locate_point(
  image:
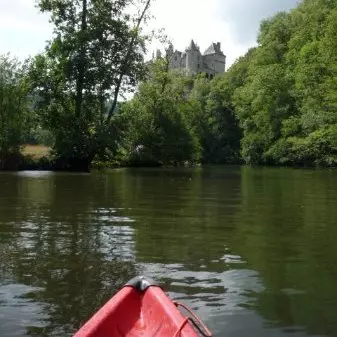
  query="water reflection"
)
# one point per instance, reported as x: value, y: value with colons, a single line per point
x: 288, y: 229
x: 18, y: 313
x: 251, y: 250
x: 57, y: 242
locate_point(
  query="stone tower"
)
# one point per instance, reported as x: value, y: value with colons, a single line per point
x: 214, y: 59
x: 193, y: 58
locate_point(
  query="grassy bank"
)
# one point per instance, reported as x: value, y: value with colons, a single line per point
x: 35, y: 157
x: 35, y: 152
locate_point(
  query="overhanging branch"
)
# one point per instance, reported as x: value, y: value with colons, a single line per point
x: 125, y: 64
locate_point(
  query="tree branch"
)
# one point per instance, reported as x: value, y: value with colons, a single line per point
x: 125, y: 63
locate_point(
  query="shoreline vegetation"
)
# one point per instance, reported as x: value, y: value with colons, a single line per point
x: 276, y: 105
x: 39, y: 158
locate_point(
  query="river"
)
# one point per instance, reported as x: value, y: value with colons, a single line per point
x: 252, y: 250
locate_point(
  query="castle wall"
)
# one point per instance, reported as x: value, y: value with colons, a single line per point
x: 175, y: 61
x: 183, y: 61
x: 193, y: 61
x: 212, y: 62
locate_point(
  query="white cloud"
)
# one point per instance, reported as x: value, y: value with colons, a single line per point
x: 187, y: 19
x: 244, y: 16
x: 23, y: 30
x: 234, y: 23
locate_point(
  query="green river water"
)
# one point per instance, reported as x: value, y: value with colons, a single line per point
x: 252, y: 250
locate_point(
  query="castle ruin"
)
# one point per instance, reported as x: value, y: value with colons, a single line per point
x: 211, y: 62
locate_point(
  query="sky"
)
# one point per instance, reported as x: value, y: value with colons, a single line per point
x: 234, y: 23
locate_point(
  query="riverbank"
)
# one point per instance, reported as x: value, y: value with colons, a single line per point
x: 40, y: 158
x: 36, y: 157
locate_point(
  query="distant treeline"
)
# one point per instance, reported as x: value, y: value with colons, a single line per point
x: 277, y: 105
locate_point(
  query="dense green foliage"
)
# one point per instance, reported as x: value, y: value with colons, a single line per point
x: 14, y: 112
x: 175, y: 119
x: 278, y: 102
x: 276, y: 105
x: 96, y: 55
x: 287, y: 100
x: 156, y: 129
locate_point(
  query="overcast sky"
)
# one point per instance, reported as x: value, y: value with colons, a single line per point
x: 234, y: 23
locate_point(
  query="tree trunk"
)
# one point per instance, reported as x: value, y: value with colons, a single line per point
x: 81, y: 61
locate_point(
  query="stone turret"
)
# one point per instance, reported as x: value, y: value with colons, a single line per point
x: 214, y: 59
x: 192, y: 46
x: 170, y: 50
x: 193, y: 58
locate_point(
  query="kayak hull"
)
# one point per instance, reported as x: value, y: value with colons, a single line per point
x: 134, y: 311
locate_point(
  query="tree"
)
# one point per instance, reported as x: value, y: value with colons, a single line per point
x: 14, y: 112
x: 265, y: 100
x: 309, y: 137
x: 214, y: 118
x: 96, y: 55
x: 157, y: 122
x: 287, y: 102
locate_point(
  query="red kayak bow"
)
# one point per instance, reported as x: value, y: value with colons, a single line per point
x: 142, y: 309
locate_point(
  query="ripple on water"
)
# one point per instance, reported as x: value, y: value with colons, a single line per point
x: 225, y: 300
x: 229, y: 289
x: 103, y: 211
x: 117, y: 242
x: 116, y: 237
x: 103, y: 215
x: 109, y: 218
x: 232, y: 259
x: 14, y: 304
